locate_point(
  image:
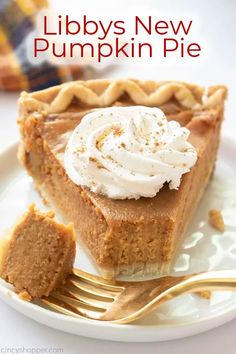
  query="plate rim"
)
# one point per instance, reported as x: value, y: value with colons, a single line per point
x: 128, y: 332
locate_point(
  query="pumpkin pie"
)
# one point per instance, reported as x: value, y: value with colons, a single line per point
x: 129, y: 236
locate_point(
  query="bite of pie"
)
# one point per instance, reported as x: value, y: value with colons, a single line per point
x: 38, y: 254
x: 123, y: 236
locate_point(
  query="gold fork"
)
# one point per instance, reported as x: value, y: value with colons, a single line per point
x: 88, y: 296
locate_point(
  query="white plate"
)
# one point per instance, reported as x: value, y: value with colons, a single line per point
x: 203, y: 249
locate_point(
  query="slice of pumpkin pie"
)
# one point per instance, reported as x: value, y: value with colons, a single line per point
x: 126, y: 161
x: 38, y: 254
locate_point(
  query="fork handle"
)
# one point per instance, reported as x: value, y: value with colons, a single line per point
x: 214, y: 280
x: 138, y: 299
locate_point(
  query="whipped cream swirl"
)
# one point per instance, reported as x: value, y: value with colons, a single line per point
x: 128, y: 152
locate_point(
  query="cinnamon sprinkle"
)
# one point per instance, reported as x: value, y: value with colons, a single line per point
x: 94, y: 160
x: 117, y: 131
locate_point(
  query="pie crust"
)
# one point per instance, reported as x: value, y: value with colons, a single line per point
x: 122, y: 236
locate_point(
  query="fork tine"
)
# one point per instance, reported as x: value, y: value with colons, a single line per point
x: 67, y: 306
x: 62, y: 307
x: 82, y: 299
x: 78, y: 304
x: 96, y: 280
x: 91, y: 289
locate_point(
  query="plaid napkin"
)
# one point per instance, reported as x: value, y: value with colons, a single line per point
x: 17, y: 20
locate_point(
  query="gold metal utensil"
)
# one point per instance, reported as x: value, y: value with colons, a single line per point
x: 88, y: 296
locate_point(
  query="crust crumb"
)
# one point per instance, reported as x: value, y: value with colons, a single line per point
x: 204, y: 294
x: 24, y: 295
x: 51, y: 214
x: 216, y: 219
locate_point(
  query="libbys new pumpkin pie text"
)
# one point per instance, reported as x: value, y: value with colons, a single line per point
x: 142, y: 37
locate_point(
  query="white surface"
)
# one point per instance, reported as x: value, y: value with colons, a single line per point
x: 218, y: 27
x: 203, y: 249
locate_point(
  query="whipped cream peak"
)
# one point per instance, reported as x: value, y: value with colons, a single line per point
x: 128, y: 152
